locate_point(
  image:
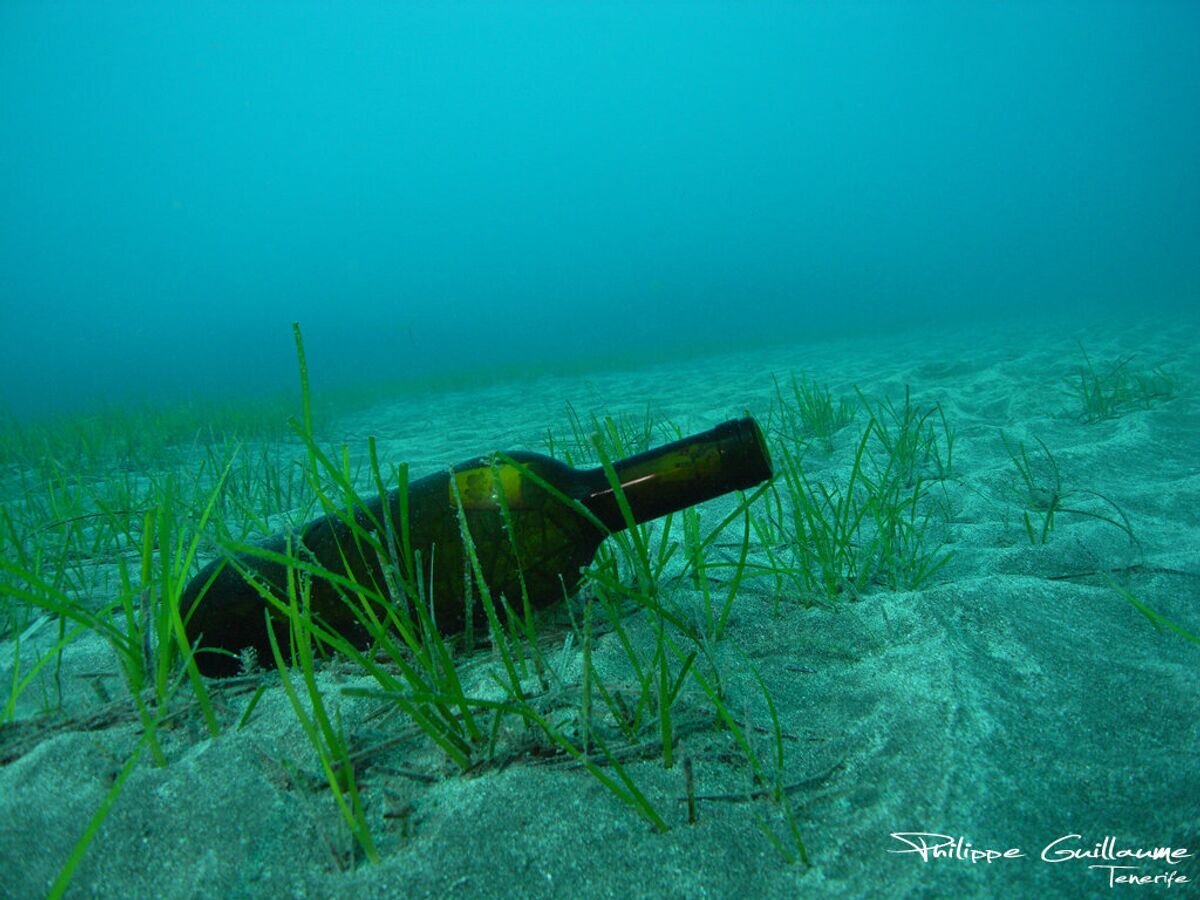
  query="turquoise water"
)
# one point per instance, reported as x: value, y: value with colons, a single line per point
x: 433, y: 186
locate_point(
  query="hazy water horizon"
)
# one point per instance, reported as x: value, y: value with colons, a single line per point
x: 436, y: 188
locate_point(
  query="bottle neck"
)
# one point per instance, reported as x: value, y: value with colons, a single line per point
x: 733, y: 456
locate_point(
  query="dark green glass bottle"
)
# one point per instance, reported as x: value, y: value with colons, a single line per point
x: 554, y: 539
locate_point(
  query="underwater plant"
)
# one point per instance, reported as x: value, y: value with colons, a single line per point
x: 810, y: 411
x: 1115, y: 389
x: 877, y: 525
x: 1044, y: 497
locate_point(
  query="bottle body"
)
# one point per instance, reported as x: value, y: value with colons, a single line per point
x: 558, y: 515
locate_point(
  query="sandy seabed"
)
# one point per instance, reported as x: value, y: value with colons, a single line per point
x: 1017, y: 703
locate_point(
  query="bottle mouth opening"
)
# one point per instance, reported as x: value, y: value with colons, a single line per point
x: 768, y: 470
x: 748, y: 446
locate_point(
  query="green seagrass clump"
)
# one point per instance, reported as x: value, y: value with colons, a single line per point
x: 1110, y: 391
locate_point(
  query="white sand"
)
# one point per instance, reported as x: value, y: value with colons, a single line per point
x: 1006, y: 704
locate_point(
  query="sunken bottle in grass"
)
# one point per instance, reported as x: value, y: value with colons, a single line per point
x: 535, y: 523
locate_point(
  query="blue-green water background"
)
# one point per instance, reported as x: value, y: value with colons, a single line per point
x: 435, y: 186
